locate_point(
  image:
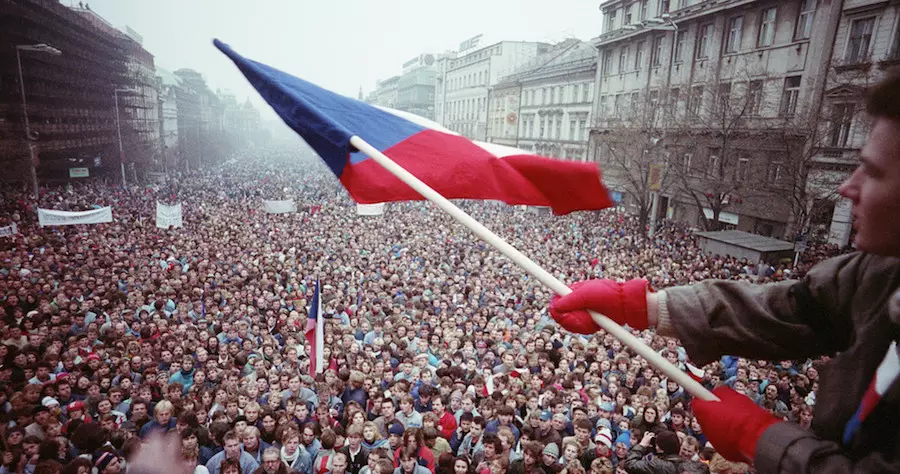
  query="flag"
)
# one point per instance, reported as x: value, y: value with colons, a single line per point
x: 888, y: 372
x: 315, y: 333
x: 451, y: 164
x: 695, y: 372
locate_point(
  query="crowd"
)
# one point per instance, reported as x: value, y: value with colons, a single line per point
x: 440, y: 354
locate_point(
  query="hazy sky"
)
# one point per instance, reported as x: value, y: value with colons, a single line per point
x: 338, y: 44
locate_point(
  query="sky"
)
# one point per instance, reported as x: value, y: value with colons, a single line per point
x: 341, y: 45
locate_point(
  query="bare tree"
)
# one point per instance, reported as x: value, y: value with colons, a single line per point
x: 632, y: 145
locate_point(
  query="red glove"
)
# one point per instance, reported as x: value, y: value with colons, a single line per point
x: 624, y: 303
x: 734, y: 424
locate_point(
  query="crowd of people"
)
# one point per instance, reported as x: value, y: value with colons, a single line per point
x: 440, y: 355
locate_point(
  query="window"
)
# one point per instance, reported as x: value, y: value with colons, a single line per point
x: 644, y: 9
x: 543, y: 126
x: 675, y: 97
x: 611, y: 20
x: 623, y: 59
x: 617, y: 105
x: 679, y: 45
x: 860, y: 40
x: 558, y: 128
x: 586, y: 92
x: 714, y: 163
x: 607, y: 63
x: 803, y: 29
x: 686, y: 163
x: 582, y: 128
x: 774, y: 172
x: 543, y: 96
x: 743, y: 169
x: 602, y: 106
x: 575, y: 95
x: 724, y: 95
x: 627, y: 19
x: 634, y: 101
x: 790, y: 96
x: 656, y: 51
x: 703, y: 40
x: 733, y: 34
x: 638, y: 55
x: 696, y: 99
x: 840, y: 124
x: 572, y: 125
x: 662, y: 7
x: 767, y: 27
x: 754, y: 97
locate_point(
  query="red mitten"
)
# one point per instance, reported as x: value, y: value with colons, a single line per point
x: 624, y: 303
x: 734, y: 424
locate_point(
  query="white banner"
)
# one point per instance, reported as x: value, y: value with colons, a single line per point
x: 9, y: 231
x: 168, y: 216
x: 280, y: 207
x: 96, y: 216
x: 79, y: 172
x: 370, y: 209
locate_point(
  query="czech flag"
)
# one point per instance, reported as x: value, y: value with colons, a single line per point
x: 695, y: 372
x: 315, y: 333
x: 449, y: 163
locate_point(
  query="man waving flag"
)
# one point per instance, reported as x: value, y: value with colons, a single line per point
x: 451, y: 164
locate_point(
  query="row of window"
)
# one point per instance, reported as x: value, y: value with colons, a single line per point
x: 733, y: 40
x: 473, y: 79
x: 551, y: 128
x: 567, y: 94
x: 722, y: 95
x: 468, y: 109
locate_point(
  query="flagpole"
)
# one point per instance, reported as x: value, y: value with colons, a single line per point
x: 659, y: 362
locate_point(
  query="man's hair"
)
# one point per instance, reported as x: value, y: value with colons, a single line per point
x: 883, y: 99
x: 231, y: 435
x: 694, y: 467
x: 230, y: 463
x: 478, y: 420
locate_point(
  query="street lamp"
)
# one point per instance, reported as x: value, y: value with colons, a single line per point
x: 35, y: 48
x: 119, y: 131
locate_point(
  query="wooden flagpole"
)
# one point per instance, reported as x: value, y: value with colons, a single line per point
x: 659, y: 362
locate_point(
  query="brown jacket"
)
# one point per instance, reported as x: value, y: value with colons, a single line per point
x: 846, y: 307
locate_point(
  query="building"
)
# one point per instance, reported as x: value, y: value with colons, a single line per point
x: 415, y: 87
x: 137, y: 97
x: 169, y: 89
x: 69, y: 96
x: 718, y: 98
x: 545, y: 106
x: 241, y: 122
x: 867, y: 42
x: 465, y: 82
x: 440, y: 90
x: 385, y: 93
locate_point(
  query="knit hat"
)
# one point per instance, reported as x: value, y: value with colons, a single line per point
x: 396, y: 429
x: 103, y: 459
x: 624, y: 438
x: 604, y: 423
x: 49, y: 402
x: 668, y: 442
x: 607, y: 407
x: 604, y: 437
x: 546, y: 415
x: 552, y: 449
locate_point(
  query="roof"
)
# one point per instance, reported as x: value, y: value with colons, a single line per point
x: 747, y: 240
x: 168, y: 78
x: 560, y: 56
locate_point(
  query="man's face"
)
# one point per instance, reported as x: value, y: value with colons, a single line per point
x: 476, y: 430
x: 251, y: 442
x: 138, y: 411
x: 162, y: 416
x: 270, y: 464
x: 339, y: 464
x: 232, y: 449
x: 874, y: 189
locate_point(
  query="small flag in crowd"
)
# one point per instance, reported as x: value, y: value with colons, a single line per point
x: 315, y: 333
x: 449, y: 163
x: 695, y: 372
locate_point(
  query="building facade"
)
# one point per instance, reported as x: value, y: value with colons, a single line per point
x: 866, y: 43
x: 717, y: 95
x: 545, y: 106
x: 465, y: 82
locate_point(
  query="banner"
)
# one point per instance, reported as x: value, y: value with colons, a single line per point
x: 168, y: 216
x: 79, y: 172
x: 280, y: 207
x: 9, y: 231
x: 370, y: 209
x: 51, y: 217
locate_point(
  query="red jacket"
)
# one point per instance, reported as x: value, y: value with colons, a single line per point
x: 447, y: 424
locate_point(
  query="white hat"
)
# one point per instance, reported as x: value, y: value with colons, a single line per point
x: 604, y: 437
x: 49, y: 402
